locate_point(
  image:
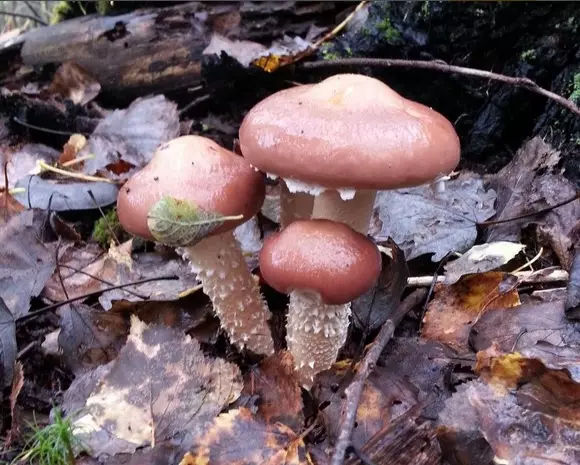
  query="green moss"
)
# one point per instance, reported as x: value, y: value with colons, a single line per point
x: 105, y: 227
x: 389, y: 32
x: 425, y: 10
x: 328, y: 52
x: 60, y: 12
x: 104, y: 6
x: 575, y: 95
x: 528, y: 55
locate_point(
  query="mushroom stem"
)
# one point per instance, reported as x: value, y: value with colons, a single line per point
x: 356, y: 213
x: 233, y: 290
x: 315, y: 333
x: 293, y: 206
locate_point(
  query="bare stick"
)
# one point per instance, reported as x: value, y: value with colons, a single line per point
x: 526, y: 277
x: 439, y: 65
x: 354, y: 391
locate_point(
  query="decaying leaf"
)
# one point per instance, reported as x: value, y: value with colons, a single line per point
x: 456, y: 308
x: 386, y: 396
x: 8, y: 347
x: 275, y: 389
x: 24, y: 161
x: 243, y: 51
x: 75, y: 83
x: 131, y: 136
x: 239, y: 438
x: 160, y: 386
x: 8, y: 206
x: 573, y: 288
x: 89, y: 338
x: 72, y: 147
x: 556, y: 357
x: 422, y: 221
x: 179, y: 223
x: 373, y: 308
x: 25, y: 263
x: 481, y: 258
x: 15, y: 423
x: 523, y: 326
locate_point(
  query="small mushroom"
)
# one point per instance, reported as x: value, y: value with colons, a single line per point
x: 191, y: 195
x: 343, y: 139
x: 323, y: 265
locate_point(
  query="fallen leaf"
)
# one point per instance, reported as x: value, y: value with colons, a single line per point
x: 131, y: 135
x: 8, y: 206
x: 244, y: 51
x: 481, y: 258
x: 556, y: 357
x: 374, y: 307
x: 422, y: 221
x: 386, y: 396
x: 573, y: 288
x: 239, y: 438
x: 17, y: 383
x: 8, y: 346
x: 456, y: 308
x: 70, y: 149
x: 523, y: 326
x: 276, y: 389
x: 45, y: 194
x: 73, y: 82
x: 89, y: 338
x: 160, y: 386
x: 25, y: 263
x: 25, y: 161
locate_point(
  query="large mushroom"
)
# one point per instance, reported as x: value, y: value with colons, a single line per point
x: 191, y: 195
x: 323, y: 265
x: 343, y: 139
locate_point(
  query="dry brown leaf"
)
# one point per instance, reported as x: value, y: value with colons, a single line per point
x: 276, y: 390
x: 8, y: 207
x: 73, y: 82
x: 73, y: 146
x: 456, y: 308
x: 239, y: 438
x: 160, y: 386
x: 17, y: 384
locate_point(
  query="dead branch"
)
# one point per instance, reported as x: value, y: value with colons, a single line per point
x: 439, y: 65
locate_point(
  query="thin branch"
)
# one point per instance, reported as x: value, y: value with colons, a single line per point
x: 86, y: 296
x: 439, y: 65
x: 25, y: 16
x: 354, y: 392
x: 47, y: 130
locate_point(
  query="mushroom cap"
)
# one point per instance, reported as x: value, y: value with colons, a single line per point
x: 322, y: 256
x: 349, y: 130
x: 196, y: 170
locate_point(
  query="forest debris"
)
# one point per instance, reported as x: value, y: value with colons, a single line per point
x: 160, y: 385
x: 89, y: 337
x: 25, y: 160
x: 276, y: 391
x: 422, y: 221
x: 239, y: 438
x: 481, y: 258
x: 245, y: 51
x: 71, y: 148
x: 71, y: 81
x: 46, y: 194
x: 555, y: 357
x: 523, y: 326
x: 573, y: 289
x: 456, y: 308
x: 374, y: 307
x: 8, y: 346
x: 130, y: 137
x: 25, y: 263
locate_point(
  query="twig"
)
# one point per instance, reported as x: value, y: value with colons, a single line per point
x: 354, y: 391
x: 47, y: 130
x: 194, y: 103
x: 88, y: 295
x: 83, y: 177
x: 540, y: 276
x: 439, y: 65
x: 25, y: 16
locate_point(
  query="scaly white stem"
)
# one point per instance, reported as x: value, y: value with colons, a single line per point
x: 356, y: 212
x: 233, y: 290
x: 315, y: 333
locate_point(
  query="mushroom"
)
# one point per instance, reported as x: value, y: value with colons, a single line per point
x: 191, y: 195
x: 323, y: 265
x: 343, y: 139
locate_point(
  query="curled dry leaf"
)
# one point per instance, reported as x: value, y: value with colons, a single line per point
x: 523, y: 326
x: 129, y: 137
x: 72, y: 147
x: 239, y: 438
x: 73, y: 82
x: 422, y: 221
x: 481, y: 258
x: 276, y: 390
x: 161, y: 386
x: 8, y: 346
x: 25, y: 263
x: 456, y: 308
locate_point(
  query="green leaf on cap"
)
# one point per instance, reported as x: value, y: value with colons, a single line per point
x: 180, y: 223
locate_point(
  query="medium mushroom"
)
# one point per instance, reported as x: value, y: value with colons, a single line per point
x: 343, y: 139
x: 191, y: 195
x: 323, y: 265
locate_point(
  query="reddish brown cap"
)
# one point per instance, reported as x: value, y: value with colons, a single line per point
x: 323, y: 256
x: 349, y: 131
x: 196, y: 170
